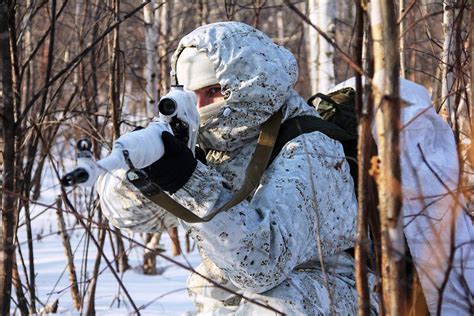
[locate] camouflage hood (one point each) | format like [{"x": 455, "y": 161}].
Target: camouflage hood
[{"x": 256, "y": 76}]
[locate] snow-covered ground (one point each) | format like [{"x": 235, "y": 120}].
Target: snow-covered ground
[{"x": 163, "y": 294}]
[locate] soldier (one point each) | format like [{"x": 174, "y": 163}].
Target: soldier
[{"x": 285, "y": 244}]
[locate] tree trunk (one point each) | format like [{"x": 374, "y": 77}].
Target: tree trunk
[
  {"x": 203, "y": 11},
  {"x": 79, "y": 17},
  {"x": 37, "y": 177},
  {"x": 401, "y": 10},
  {"x": 151, "y": 69},
  {"x": 423, "y": 7},
  {"x": 30, "y": 72},
  {"x": 257, "y": 9},
  {"x": 470, "y": 110},
  {"x": 90, "y": 308},
  {"x": 95, "y": 85},
  {"x": 412, "y": 62},
  {"x": 114, "y": 74},
  {"x": 280, "y": 26},
  {"x": 321, "y": 53},
  {"x": 175, "y": 246},
  {"x": 164, "y": 42},
  {"x": 22, "y": 302},
  {"x": 364, "y": 115},
  {"x": 470, "y": 107},
  {"x": 447, "y": 98},
  {"x": 152, "y": 242},
  {"x": 8, "y": 206},
  {"x": 387, "y": 109},
  {"x": 114, "y": 97},
  {"x": 187, "y": 243},
  {"x": 76, "y": 296}
]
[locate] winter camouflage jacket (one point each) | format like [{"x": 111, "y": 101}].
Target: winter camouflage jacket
[{"x": 285, "y": 245}]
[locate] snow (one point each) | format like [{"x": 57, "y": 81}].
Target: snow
[{"x": 163, "y": 294}]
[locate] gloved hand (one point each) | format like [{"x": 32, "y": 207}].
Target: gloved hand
[
  {"x": 173, "y": 170},
  {"x": 200, "y": 155}
]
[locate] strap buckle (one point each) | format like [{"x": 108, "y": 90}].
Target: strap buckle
[{"x": 139, "y": 178}]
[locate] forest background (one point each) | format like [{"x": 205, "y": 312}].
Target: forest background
[{"x": 90, "y": 68}]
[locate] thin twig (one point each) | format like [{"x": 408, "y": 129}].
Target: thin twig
[
  {"x": 75, "y": 61},
  {"x": 405, "y": 12}
]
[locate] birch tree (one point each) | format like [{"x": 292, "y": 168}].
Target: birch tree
[
  {"x": 456, "y": 89},
  {"x": 280, "y": 26},
  {"x": 321, "y": 52},
  {"x": 151, "y": 68},
  {"x": 401, "y": 10},
  {"x": 152, "y": 26},
  {"x": 165, "y": 31},
  {"x": 447, "y": 61}
]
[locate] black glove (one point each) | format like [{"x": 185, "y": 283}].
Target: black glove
[
  {"x": 200, "y": 155},
  {"x": 176, "y": 166}
]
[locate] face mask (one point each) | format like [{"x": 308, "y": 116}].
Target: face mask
[
  {"x": 209, "y": 132},
  {"x": 210, "y": 111}
]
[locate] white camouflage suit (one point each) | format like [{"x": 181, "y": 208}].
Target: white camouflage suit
[{"x": 303, "y": 212}]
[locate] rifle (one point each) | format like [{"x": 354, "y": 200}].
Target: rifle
[{"x": 177, "y": 114}]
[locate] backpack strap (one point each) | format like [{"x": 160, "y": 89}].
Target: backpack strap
[
  {"x": 322, "y": 97},
  {"x": 296, "y": 126},
  {"x": 256, "y": 167}
]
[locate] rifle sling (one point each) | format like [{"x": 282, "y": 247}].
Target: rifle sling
[{"x": 256, "y": 167}]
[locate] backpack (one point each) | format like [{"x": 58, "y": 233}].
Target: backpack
[{"x": 337, "y": 107}]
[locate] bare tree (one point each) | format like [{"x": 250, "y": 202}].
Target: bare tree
[
  {"x": 365, "y": 116},
  {"x": 151, "y": 44},
  {"x": 164, "y": 44},
  {"x": 401, "y": 11},
  {"x": 449, "y": 45},
  {"x": 115, "y": 79},
  {"x": 387, "y": 109},
  {"x": 9, "y": 211},
  {"x": 203, "y": 11},
  {"x": 90, "y": 308},
  {"x": 76, "y": 296}
]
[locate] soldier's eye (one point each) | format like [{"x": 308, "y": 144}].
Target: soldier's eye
[{"x": 213, "y": 91}]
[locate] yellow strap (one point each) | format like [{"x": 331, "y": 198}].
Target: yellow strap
[{"x": 257, "y": 166}]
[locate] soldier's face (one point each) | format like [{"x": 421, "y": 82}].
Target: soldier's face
[{"x": 209, "y": 95}]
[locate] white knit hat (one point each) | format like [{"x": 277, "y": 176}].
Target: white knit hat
[{"x": 194, "y": 70}]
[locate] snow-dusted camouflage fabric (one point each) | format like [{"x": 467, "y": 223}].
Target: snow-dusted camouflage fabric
[
  {"x": 292, "y": 216},
  {"x": 303, "y": 212},
  {"x": 255, "y": 75},
  {"x": 127, "y": 208}
]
